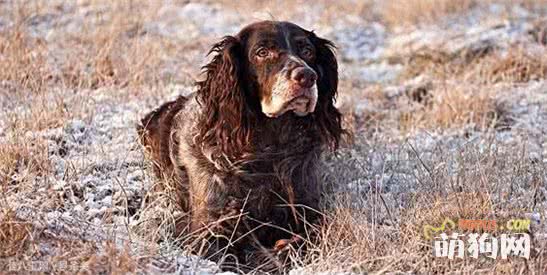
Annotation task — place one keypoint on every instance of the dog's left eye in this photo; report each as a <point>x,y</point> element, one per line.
<point>262,53</point>
<point>306,52</point>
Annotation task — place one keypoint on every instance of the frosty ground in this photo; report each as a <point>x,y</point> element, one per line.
<point>448,111</point>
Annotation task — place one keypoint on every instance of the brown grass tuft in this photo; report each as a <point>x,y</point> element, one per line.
<point>22,160</point>
<point>23,60</point>
<point>14,233</point>
<point>453,106</point>
<point>482,66</point>
<point>111,49</point>
<point>353,239</point>
<point>114,260</point>
<point>462,85</point>
<point>115,54</point>
<point>404,12</point>
<point>516,66</point>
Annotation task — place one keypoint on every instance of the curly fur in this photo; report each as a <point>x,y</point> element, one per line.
<point>229,158</point>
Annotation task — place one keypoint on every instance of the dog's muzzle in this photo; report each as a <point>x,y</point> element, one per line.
<point>295,91</point>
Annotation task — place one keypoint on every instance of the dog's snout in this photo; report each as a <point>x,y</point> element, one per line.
<point>304,77</point>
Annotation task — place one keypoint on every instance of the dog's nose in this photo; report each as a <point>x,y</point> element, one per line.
<point>305,77</point>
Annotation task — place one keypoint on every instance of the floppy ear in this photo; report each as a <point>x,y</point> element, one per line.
<point>328,117</point>
<point>225,123</point>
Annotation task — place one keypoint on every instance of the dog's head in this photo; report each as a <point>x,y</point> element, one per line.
<point>281,65</point>
<point>270,69</point>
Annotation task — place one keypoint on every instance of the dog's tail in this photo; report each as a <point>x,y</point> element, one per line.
<point>155,134</point>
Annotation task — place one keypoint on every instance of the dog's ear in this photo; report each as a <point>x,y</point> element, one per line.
<point>226,119</point>
<point>328,117</point>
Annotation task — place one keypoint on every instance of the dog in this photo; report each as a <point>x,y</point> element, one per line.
<point>243,152</point>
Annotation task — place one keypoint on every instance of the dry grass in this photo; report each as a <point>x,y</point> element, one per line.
<point>453,106</point>
<point>461,88</point>
<point>39,76</point>
<point>23,60</point>
<point>379,231</point>
<point>114,54</point>
<point>482,66</point>
<point>429,105</point>
<point>354,239</point>
<point>39,113</point>
<point>113,261</point>
<point>515,66</point>
<point>23,243</point>
<point>405,12</point>
<point>14,233</point>
<point>289,9</point>
<point>21,160</point>
<point>351,241</point>
<point>111,50</point>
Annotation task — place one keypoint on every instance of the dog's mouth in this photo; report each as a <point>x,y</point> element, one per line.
<point>300,105</point>
<point>286,96</point>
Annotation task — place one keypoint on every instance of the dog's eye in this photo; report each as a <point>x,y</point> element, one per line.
<point>262,53</point>
<point>306,52</point>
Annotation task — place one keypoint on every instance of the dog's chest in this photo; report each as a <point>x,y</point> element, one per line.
<point>271,186</point>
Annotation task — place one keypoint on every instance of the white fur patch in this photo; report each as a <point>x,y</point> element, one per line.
<point>284,99</point>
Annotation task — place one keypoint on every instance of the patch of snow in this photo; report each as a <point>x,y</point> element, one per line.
<point>379,72</point>
<point>193,20</point>
<point>496,33</point>
<point>359,42</point>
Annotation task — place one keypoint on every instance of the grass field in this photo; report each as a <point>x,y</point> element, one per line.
<point>446,101</point>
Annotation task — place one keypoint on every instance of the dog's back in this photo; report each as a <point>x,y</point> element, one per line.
<point>155,133</point>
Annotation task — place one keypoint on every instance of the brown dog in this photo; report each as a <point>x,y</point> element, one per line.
<point>244,150</point>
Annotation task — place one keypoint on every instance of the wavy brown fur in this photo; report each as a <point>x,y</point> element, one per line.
<point>233,160</point>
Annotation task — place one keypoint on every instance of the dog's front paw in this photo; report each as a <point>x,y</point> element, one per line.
<point>283,244</point>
